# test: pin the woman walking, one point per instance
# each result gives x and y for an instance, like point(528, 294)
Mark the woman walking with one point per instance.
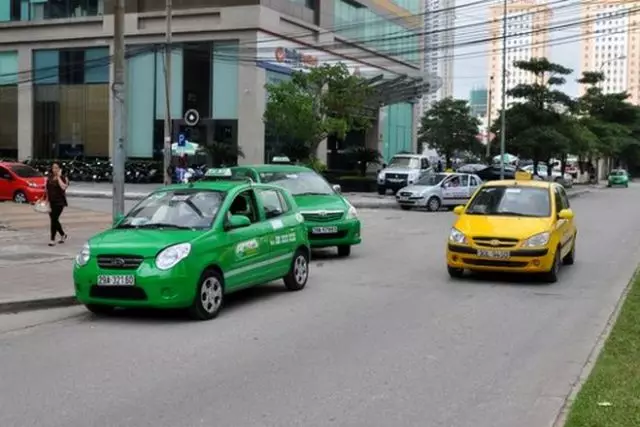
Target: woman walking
point(55, 195)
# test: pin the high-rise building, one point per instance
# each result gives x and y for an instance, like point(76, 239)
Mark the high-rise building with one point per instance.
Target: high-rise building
point(611, 44)
point(55, 70)
point(527, 37)
point(439, 23)
point(478, 102)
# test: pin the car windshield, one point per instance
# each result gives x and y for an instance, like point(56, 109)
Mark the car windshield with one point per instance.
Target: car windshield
point(431, 180)
point(298, 183)
point(178, 209)
point(511, 201)
point(24, 171)
point(404, 162)
point(617, 173)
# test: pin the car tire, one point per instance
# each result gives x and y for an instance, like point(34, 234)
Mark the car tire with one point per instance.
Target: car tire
point(344, 250)
point(298, 274)
point(209, 297)
point(382, 191)
point(552, 275)
point(626, 185)
point(100, 310)
point(455, 273)
point(433, 204)
point(405, 208)
point(570, 259)
point(20, 197)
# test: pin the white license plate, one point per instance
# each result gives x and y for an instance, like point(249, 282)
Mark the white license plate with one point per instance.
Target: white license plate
point(395, 180)
point(117, 280)
point(324, 230)
point(493, 254)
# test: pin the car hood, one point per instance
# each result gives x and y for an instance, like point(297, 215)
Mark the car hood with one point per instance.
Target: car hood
point(397, 170)
point(40, 181)
point(329, 202)
point(146, 243)
point(502, 226)
point(417, 189)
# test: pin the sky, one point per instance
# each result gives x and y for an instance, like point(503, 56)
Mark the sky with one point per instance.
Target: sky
point(470, 63)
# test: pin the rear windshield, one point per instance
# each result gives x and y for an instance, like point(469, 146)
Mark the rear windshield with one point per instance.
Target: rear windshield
point(511, 201)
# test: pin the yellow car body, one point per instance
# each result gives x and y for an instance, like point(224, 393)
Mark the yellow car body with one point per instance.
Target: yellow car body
point(538, 240)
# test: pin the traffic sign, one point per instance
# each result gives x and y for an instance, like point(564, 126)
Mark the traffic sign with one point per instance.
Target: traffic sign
point(191, 117)
point(182, 140)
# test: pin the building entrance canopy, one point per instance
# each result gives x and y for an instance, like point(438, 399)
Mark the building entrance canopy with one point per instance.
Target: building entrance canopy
point(404, 88)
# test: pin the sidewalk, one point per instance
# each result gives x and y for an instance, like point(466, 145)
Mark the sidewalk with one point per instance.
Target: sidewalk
point(23, 217)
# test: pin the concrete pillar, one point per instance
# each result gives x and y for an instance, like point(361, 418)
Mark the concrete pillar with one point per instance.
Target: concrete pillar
point(25, 104)
point(414, 130)
point(321, 153)
point(251, 105)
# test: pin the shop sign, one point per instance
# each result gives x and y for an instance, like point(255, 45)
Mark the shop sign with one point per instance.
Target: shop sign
point(294, 58)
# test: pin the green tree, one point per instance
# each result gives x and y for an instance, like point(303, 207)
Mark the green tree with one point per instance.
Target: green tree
point(323, 101)
point(448, 127)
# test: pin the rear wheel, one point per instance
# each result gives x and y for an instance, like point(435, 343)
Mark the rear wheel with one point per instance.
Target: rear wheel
point(455, 273)
point(209, 296)
point(20, 197)
point(298, 275)
point(433, 204)
point(552, 275)
point(570, 259)
point(344, 250)
point(100, 310)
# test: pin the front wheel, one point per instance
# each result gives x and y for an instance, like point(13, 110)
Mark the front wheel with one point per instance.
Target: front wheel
point(209, 296)
point(20, 197)
point(552, 275)
point(570, 259)
point(298, 275)
point(382, 191)
point(344, 250)
point(100, 310)
point(433, 204)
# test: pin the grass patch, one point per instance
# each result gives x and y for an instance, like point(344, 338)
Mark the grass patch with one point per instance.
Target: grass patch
point(611, 395)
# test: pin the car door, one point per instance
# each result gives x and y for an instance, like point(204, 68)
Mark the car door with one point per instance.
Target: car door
point(247, 249)
point(6, 184)
point(283, 223)
point(564, 227)
point(474, 183)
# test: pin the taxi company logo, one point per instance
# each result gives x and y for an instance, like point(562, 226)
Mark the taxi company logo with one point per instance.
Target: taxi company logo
point(495, 242)
point(322, 213)
point(117, 262)
point(295, 58)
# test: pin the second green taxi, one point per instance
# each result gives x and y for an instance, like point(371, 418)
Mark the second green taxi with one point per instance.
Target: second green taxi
point(330, 219)
point(189, 245)
point(618, 177)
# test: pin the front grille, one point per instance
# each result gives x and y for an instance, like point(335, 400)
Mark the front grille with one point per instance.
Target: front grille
point(118, 292)
point(322, 216)
point(119, 262)
point(406, 194)
point(396, 175)
point(494, 263)
point(338, 235)
point(495, 242)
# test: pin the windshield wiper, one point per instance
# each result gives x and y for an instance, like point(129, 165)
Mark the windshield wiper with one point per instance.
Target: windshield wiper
point(509, 213)
point(163, 225)
point(310, 193)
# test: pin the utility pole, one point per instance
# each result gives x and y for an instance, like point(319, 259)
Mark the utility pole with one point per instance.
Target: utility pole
point(503, 122)
point(490, 94)
point(118, 156)
point(167, 90)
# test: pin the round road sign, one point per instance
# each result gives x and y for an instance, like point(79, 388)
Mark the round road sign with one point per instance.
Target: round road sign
point(191, 117)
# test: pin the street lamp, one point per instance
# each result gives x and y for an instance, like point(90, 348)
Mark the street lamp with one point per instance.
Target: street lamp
point(503, 122)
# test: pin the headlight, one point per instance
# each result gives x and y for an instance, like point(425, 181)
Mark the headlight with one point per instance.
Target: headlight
point(456, 236)
point(381, 176)
point(352, 212)
point(32, 184)
point(83, 256)
point(172, 255)
point(536, 240)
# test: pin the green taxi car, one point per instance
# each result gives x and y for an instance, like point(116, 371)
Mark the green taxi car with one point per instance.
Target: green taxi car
point(330, 219)
point(618, 177)
point(189, 245)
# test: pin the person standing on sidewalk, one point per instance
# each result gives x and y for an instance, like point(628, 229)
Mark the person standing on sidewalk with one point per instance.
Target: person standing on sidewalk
point(56, 187)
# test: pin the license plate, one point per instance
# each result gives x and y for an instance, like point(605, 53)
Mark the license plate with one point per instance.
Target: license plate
point(117, 280)
point(324, 230)
point(493, 254)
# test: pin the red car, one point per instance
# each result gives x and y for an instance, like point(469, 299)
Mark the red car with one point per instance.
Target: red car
point(21, 183)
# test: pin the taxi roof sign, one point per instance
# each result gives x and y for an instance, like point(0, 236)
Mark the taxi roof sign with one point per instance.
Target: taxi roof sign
point(280, 159)
point(218, 172)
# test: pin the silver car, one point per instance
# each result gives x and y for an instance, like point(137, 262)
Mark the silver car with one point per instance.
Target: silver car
point(438, 190)
point(403, 169)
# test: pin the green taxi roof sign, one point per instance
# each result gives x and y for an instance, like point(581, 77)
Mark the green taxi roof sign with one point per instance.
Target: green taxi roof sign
point(280, 159)
point(218, 172)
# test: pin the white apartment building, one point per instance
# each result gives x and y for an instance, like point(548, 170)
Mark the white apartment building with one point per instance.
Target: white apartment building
point(439, 23)
point(526, 39)
point(610, 44)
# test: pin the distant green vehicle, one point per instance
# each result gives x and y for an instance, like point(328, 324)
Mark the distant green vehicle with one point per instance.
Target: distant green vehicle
point(189, 245)
point(618, 177)
point(330, 219)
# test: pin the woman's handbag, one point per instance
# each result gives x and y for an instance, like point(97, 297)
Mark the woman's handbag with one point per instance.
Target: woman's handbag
point(41, 206)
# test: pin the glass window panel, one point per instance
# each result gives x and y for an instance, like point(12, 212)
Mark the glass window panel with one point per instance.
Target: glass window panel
point(96, 65)
point(9, 121)
point(46, 66)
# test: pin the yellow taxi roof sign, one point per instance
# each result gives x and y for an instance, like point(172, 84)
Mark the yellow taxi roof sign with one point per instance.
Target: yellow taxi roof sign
point(523, 175)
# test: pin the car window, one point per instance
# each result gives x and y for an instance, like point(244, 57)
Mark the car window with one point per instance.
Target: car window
point(24, 171)
point(404, 162)
point(188, 208)
point(564, 197)
point(511, 201)
point(464, 180)
point(245, 204)
point(4, 174)
point(424, 163)
point(473, 181)
point(432, 179)
point(558, 200)
point(298, 183)
point(272, 203)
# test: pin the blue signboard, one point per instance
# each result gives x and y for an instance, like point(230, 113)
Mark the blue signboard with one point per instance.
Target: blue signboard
point(182, 140)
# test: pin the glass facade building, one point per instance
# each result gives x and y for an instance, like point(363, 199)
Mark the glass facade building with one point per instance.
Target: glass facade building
point(9, 104)
point(37, 10)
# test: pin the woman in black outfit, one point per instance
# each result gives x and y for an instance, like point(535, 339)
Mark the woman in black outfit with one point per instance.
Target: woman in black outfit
point(55, 195)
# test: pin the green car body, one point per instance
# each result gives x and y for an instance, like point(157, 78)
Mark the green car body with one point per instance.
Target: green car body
point(188, 245)
point(330, 219)
point(618, 177)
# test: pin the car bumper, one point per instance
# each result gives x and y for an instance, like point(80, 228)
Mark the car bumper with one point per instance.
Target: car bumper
point(412, 201)
point(348, 233)
point(519, 261)
point(153, 288)
point(617, 182)
point(34, 194)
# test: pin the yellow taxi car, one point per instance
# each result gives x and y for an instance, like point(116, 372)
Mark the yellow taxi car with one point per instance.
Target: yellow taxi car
point(513, 226)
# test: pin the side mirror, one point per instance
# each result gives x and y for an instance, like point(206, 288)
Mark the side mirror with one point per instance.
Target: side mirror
point(337, 188)
point(458, 210)
point(238, 221)
point(117, 219)
point(565, 214)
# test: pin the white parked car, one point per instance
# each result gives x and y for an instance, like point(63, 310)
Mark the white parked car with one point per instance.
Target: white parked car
point(438, 190)
point(403, 170)
point(564, 179)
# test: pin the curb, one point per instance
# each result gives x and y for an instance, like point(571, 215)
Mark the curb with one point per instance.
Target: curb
point(37, 304)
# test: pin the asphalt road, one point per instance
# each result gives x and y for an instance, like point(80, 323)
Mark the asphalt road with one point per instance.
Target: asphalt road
point(383, 339)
